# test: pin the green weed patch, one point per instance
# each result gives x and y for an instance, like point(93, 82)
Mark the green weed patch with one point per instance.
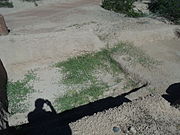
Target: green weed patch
point(18, 91)
point(74, 99)
point(83, 70)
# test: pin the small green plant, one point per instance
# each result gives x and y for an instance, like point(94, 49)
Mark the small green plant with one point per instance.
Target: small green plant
point(166, 8)
point(6, 4)
point(73, 98)
point(151, 90)
point(122, 6)
point(18, 91)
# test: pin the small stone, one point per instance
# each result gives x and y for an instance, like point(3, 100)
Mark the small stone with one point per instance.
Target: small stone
point(116, 129)
point(133, 130)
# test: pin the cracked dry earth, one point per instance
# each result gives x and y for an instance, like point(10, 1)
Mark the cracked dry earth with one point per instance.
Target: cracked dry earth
point(41, 36)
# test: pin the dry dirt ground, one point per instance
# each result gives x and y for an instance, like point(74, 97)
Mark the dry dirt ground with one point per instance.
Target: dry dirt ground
point(52, 32)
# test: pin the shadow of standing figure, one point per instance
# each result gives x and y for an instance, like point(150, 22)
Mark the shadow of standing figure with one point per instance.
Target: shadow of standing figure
point(44, 122)
point(173, 94)
point(40, 115)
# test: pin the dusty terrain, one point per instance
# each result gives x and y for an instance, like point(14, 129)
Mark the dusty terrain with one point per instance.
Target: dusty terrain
point(53, 32)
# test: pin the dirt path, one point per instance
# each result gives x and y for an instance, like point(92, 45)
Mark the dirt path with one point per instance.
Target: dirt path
point(35, 31)
point(53, 14)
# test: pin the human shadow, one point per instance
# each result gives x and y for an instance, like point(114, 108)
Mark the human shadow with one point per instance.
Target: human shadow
point(39, 115)
point(173, 94)
point(51, 123)
point(42, 121)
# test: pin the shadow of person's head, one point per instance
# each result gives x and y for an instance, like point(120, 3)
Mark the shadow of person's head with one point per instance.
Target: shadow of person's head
point(39, 103)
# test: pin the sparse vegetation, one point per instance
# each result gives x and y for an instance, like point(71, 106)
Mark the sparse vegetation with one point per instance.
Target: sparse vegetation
point(34, 1)
point(81, 70)
point(73, 98)
point(122, 6)
point(136, 54)
point(166, 8)
point(18, 91)
point(6, 3)
point(151, 90)
point(129, 84)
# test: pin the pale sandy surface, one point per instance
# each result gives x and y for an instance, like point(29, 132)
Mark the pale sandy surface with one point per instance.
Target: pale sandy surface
point(55, 31)
point(20, 5)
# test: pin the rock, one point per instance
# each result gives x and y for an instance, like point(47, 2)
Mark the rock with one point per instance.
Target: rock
point(3, 27)
point(116, 130)
point(132, 130)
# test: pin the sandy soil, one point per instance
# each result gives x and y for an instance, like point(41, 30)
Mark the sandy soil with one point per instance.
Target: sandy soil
point(55, 31)
point(149, 115)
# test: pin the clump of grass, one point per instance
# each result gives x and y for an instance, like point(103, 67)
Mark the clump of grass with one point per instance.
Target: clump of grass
point(73, 98)
point(122, 6)
point(166, 8)
point(137, 55)
point(6, 4)
point(79, 69)
point(151, 90)
point(18, 91)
